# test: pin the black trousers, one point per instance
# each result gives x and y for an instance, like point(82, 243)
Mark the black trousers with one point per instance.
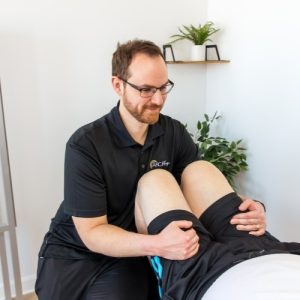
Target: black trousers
point(117, 279)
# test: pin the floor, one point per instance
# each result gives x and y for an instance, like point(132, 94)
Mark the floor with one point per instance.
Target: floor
point(30, 296)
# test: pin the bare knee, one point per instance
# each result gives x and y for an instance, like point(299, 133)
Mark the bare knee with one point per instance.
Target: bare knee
point(202, 184)
point(154, 177)
point(158, 192)
point(202, 170)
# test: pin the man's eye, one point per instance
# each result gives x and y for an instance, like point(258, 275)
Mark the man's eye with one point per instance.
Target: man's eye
point(163, 88)
point(146, 90)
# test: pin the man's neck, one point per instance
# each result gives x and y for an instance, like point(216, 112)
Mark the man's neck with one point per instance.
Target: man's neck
point(137, 130)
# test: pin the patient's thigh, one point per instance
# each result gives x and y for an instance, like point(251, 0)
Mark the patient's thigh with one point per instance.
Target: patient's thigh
point(157, 192)
point(269, 277)
point(202, 185)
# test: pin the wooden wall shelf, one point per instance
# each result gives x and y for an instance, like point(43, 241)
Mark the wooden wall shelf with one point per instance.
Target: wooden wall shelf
point(198, 62)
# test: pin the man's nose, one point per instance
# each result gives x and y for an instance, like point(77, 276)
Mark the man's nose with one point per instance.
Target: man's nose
point(157, 98)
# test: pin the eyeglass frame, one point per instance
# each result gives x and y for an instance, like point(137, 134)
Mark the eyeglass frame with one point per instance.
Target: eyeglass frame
point(152, 88)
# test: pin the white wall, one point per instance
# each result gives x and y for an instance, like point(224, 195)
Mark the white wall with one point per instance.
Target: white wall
point(258, 95)
point(55, 72)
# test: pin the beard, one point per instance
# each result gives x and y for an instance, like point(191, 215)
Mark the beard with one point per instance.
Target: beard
point(147, 113)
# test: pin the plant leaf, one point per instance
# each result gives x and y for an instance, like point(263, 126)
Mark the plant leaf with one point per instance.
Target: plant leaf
point(226, 155)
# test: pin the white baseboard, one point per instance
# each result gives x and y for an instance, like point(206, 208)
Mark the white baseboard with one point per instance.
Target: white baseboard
point(27, 286)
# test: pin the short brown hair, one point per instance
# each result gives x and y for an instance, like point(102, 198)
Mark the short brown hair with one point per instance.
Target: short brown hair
point(124, 54)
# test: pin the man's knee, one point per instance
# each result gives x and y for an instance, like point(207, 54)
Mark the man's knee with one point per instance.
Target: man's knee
point(130, 278)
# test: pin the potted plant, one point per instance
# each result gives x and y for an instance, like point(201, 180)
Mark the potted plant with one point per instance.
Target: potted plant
point(198, 36)
point(228, 156)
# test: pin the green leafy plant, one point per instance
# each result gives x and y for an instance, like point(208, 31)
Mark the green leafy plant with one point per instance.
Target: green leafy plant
point(198, 35)
point(228, 156)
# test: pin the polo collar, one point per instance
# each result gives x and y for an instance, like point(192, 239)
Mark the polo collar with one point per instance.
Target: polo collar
point(123, 138)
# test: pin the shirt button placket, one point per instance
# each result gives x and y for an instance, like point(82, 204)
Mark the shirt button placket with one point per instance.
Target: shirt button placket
point(142, 163)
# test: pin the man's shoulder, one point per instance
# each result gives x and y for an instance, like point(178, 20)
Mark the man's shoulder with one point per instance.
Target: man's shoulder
point(88, 129)
point(90, 132)
point(168, 122)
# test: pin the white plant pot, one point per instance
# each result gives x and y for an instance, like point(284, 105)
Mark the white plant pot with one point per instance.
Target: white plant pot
point(198, 52)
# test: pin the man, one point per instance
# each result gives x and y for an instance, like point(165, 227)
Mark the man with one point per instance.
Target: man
point(92, 250)
point(222, 246)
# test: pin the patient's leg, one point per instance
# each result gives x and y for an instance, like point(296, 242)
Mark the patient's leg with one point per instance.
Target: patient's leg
point(202, 185)
point(212, 199)
point(157, 192)
point(161, 209)
point(159, 201)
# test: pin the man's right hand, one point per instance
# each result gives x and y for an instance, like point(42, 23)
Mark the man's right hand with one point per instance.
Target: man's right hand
point(178, 241)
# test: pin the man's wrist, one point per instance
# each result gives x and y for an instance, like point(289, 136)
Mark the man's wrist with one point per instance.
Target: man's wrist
point(151, 245)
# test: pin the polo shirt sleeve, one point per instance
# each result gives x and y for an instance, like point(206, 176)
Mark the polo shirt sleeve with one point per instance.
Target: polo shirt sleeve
point(187, 151)
point(84, 188)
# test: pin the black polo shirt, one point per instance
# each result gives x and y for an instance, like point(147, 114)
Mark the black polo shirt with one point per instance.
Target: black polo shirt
point(102, 167)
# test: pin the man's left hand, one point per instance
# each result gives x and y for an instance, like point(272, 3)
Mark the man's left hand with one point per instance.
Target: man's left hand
point(254, 220)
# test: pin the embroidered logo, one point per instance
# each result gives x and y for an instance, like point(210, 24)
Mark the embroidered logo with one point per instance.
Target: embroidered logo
point(158, 164)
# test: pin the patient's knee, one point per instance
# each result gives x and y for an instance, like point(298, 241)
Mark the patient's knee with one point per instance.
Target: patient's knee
point(203, 176)
point(201, 168)
point(156, 176)
point(200, 165)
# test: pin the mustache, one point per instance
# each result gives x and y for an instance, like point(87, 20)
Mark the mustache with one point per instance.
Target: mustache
point(153, 106)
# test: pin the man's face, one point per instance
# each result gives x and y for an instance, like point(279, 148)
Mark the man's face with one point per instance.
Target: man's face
point(145, 72)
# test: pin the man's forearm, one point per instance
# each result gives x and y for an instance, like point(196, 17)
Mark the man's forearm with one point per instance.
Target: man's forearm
point(113, 241)
point(178, 240)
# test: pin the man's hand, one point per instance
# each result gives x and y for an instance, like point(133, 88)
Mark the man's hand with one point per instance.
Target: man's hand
point(254, 220)
point(178, 241)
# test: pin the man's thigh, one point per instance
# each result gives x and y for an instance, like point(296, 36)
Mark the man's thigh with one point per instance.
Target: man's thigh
point(129, 279)
point(62, 279)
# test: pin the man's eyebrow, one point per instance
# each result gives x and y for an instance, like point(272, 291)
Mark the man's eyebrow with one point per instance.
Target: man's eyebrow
point(152, 86)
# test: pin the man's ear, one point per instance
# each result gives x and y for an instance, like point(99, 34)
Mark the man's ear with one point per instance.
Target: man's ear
point(117, 84)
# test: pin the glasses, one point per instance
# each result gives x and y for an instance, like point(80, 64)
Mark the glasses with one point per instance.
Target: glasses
point(148, 92)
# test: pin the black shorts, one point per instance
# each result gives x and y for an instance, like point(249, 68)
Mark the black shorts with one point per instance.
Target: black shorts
point(221, 247)
point(85, 279)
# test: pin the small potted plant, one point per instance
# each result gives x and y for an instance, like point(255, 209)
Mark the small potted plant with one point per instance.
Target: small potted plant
point(198, 36)
point(228, 156)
